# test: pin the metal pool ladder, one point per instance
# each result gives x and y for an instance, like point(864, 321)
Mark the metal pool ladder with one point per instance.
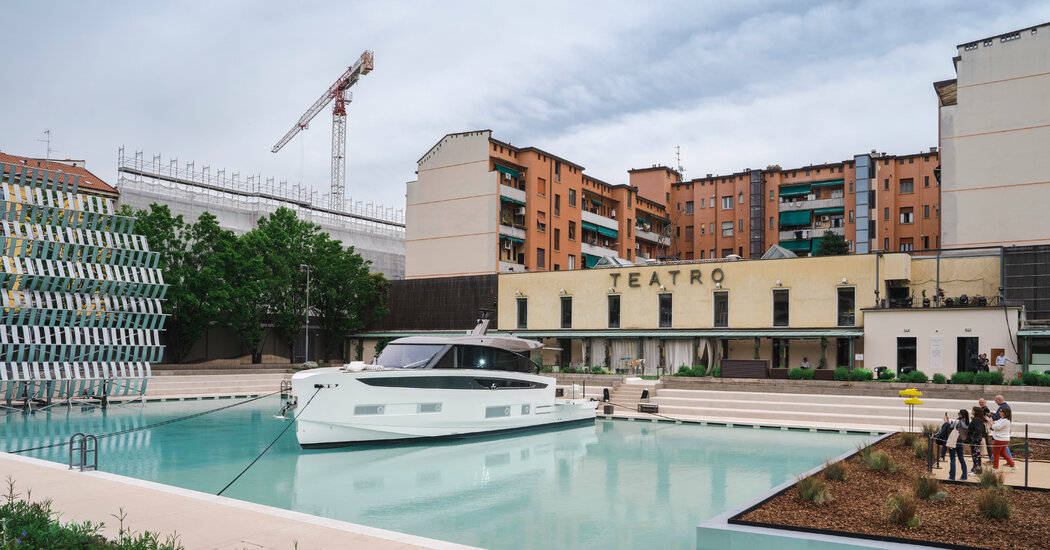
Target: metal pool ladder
point(80, 446)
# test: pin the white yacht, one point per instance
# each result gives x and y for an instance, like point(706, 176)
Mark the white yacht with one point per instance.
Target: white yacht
point(428, 387)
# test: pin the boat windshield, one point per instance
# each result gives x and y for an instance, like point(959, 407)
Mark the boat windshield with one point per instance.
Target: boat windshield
point(408, 356)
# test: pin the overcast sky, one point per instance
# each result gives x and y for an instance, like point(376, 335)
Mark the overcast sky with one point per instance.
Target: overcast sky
point(609, 85)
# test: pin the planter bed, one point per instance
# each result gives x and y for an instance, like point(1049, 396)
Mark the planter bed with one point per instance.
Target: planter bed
point(859, 509)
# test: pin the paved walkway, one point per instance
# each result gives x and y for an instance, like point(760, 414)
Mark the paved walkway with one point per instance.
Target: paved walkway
point(201, 520)
point(1038, 473)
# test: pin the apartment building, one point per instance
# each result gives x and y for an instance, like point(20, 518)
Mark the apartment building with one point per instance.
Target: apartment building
point(877, 202)
point(481, 206)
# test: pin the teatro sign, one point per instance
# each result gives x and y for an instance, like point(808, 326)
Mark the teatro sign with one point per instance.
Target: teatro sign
point(634, 278)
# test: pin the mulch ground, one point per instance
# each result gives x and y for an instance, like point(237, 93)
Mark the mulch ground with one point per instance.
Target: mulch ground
point(859, 506)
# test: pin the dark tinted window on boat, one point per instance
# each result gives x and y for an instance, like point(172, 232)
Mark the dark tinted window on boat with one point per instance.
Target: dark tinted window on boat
point(407, 355)
point(481, 357)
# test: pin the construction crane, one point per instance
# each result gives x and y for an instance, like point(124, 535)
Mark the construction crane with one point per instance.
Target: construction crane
point(341, 94)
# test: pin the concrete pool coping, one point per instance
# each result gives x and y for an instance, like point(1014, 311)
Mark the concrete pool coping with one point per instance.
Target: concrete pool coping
point(201, 520)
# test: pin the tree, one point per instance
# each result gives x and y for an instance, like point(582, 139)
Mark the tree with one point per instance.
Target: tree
point(206, 288)
point(245, 274)
point(345, 296)
point(832, 244)
point(164, 235)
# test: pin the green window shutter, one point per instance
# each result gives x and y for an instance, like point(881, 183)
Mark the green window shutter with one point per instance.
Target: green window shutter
point(795, 217)
point(795, 190)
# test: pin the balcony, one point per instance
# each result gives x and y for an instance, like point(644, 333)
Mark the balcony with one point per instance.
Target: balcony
point(511, 267)
point(813, 204)
point(512, 193)
point(600, 220)
point(511, 231)
point(652, 237)
point(595, 250)
point(815, 232)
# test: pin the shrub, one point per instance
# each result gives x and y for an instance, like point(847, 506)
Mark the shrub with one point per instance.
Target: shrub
point(901, 508)
point(799, 373)
point(1017, 446)
point(860, 375)
point(841, 374)
point(1044, 380)
point(939, 379)
point(962, 378)
point(716, 371)
point(547, 369)
point(1015, 382)
point(990, 480)
point(919, 448)
point(886, 375)
point(997, 378)
point(835, 471)
point(929, 429)
point(813, 490)
point(915, 377)
point(879, 461)
point(926, 487)
point(993, 504)
point(907, 439)
point(597, 370)
point(982, 378)
point(1031, 378)
point(700, 370)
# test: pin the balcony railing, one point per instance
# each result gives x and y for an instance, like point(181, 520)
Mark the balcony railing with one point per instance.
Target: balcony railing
point(813, 204)
point(512, 192)
point(598, 219)
point(652, 237)
point(595, 249)
point(815, 232)
point(511, 231)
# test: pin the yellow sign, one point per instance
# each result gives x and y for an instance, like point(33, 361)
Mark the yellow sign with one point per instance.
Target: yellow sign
point(913, 401)
point(910, 392)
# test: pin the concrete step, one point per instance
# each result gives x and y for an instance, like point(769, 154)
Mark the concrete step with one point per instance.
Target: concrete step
point(930, 402)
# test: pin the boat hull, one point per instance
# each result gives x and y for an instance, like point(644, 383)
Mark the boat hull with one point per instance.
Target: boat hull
point(338, 408)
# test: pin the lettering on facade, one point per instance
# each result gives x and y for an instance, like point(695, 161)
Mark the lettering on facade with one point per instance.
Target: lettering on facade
point(695, 277)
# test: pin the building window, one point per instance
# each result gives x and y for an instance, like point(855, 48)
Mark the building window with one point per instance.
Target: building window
point(542, 187)
point(541, 260)
point(665, 310)
point(740, 198)
point(926, 242)
point(886, 213)
point(557, 204)
point(771, 195)
point(886, 244)
point(907, 214)
point(906, 354)
point(628, 199)
point(628, 229)
point(566, 312)
point(850, 216)
point(771, 222)
point(926, 181)
point(907, 186)
point(926, 211)
point(572, 231)
point(557, 171)
point(727, 229)
point(886, 185)
point(613, 301)
point(557, 239)
point(712, 229)
point(689, 233)
point(541, 227)
point(740, 225)
point(851, 188)
point(721, 309)
point(780, 307)
point(907, 244)
point(711, 203)
point(523, 313)
point(572, 197)
point(847, 306)
point(727, 203)
point(688, 207)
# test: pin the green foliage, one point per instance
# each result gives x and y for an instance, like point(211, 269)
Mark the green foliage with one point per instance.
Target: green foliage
point(1032, 378)
point(907, 439)
point(1017, 446)
point(30, 525)
point(888, 375)
point(919, 448)
point(832, 244)
point(860, 375)
point(546, 369)
point(997, 378)
point(914, 377)
point(345, 297)
point(939, 379)
point(993, 504)
point(925, 486)
point(598, 370)
point(879, 461)
point(929, 429)
point(982, 378)
point(901, 508)
point(990, 480)
point(716, 371)
point(841, 374)
point(835, 471)
point(1015, 382)
point(696, 370)
point(1044, 380)
point(962, 378)
point(567, 370)
point(381, 344)
point(799, 373)
point(813, 490)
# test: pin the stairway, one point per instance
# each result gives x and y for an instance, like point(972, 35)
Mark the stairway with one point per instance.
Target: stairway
point(218, 382)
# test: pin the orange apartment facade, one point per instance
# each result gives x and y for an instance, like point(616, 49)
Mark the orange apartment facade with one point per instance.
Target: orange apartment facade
point(481, 206)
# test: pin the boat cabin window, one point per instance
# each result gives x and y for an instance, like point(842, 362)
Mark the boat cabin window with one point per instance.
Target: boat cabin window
point(409, 356)
point(481, 357)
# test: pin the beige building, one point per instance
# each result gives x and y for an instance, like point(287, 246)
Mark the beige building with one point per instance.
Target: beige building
point(994, 128)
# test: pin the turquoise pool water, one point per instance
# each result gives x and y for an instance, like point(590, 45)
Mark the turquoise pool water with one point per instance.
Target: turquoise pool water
point(612, 485)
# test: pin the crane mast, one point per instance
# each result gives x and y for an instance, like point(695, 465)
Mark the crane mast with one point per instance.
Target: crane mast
point(339, 92)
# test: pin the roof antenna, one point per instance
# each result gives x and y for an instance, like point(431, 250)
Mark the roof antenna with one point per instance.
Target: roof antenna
point(678, 160)
point(47, 140)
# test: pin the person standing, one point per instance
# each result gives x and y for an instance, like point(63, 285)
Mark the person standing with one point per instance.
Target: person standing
point(1001, 361)
point(986, 419)
point(955, 448)
point(982, 362)
point(1001, 440)
point(1003, 406)
point(975, 436)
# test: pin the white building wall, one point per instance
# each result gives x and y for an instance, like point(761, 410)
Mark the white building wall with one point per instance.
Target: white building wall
point(452, 210)
point(995, 171)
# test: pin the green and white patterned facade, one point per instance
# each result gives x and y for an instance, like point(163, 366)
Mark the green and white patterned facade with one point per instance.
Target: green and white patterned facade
point(81, 294)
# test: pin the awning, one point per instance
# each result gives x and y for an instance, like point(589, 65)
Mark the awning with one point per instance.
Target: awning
point(835, 210)
point(596, 202)
point(1033, 332)
point(505, 170)
point(589, 260)
point(588, 226)
point(641, 219)
point(512, 239)
point(508, 199)
point(794, 190)
point(708, 333)
point(796, 246)
point(828, 183)
point(795, 217)
point(606, 232)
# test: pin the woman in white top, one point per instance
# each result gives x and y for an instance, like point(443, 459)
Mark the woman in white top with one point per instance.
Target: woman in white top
point(1001, 439)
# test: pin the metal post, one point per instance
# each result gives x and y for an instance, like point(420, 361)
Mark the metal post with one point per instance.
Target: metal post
point(307, 267)
point(1026, 455)
point(937, 290)
point(929, 454)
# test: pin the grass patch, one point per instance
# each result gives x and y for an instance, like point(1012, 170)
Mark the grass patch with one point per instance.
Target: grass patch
point(925, 487)
point(929, 429)
point(919, 448)
point(835, 471)
point(901, 508)
point(993, 504)
point(991, 480)
point(880, 461)
point(813, 490)
point(907, 439)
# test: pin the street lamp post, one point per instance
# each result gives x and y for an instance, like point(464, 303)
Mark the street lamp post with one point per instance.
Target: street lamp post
point(307, 267)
